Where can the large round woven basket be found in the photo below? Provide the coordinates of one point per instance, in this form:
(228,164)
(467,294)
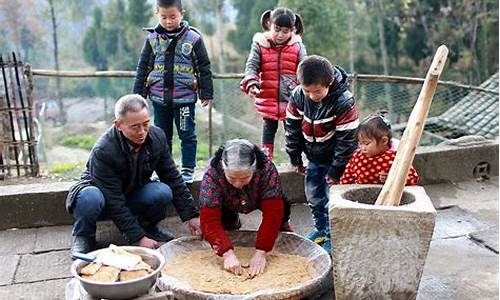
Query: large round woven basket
(288,243)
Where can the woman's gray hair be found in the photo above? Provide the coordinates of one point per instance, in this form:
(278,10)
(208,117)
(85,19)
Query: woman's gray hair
(129,103)
(239,154)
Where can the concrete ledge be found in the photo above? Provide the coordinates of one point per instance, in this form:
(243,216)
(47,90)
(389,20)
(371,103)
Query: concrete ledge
(455,163)
(34,205)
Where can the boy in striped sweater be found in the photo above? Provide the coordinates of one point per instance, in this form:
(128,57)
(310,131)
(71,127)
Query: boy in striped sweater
(322,119)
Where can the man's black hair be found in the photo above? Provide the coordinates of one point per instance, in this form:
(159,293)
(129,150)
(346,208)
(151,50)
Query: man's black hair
(315,69)
(169,3)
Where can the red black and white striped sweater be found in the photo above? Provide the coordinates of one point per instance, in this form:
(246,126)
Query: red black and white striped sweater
(325,131)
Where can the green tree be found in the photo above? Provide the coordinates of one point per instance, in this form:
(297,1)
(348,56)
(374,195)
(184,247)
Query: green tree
(325,27)
(95,51)
(119,51)
(97,43)
(415,44)
(138,16)
(248,22)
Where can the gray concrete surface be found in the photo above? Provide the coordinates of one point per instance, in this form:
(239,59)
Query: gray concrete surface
(462,262)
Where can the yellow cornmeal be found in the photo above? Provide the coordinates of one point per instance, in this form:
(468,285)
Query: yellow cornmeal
(204,271)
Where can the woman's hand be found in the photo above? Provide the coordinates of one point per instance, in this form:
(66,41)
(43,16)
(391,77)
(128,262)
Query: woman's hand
(257,264)
(194,227)
(231,263)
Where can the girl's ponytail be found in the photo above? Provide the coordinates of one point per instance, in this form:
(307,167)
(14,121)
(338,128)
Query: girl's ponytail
(265,20)
(299,24)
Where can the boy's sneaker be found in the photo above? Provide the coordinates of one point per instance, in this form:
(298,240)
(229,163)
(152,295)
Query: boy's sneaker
(187,175)
(327,245)
(317,236)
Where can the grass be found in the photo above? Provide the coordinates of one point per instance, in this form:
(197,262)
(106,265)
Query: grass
(201,152)
(67,170)
(80,141)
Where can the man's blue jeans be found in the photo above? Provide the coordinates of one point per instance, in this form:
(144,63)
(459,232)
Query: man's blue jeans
(316,190)
(149,203)
(184,119)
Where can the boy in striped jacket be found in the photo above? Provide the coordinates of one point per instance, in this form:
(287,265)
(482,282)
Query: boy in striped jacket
(321,121)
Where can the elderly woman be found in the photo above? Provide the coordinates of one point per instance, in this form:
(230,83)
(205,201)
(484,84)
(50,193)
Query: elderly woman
(240,179)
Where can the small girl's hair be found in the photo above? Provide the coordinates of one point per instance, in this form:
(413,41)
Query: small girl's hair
(283,17)
(375,126)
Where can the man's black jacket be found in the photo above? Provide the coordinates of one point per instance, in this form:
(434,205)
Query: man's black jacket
(110,169)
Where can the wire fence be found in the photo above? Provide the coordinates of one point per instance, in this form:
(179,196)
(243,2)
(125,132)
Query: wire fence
(233,113)
(17,139)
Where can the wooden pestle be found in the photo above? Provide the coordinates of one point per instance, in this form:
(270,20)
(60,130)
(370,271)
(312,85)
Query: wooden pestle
(393,187)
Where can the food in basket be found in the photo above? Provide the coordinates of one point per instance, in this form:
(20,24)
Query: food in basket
(101,272)
(104,274)
(204,271)
(90,269)
(131,275)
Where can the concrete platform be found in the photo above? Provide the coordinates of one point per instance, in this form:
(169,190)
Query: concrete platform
(462,261)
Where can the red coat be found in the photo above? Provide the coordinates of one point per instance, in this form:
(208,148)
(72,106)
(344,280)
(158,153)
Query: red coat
(273,69)
(362,169)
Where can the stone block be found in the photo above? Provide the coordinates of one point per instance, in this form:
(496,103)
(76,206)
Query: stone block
(45,266)
(9,264)
(379,251)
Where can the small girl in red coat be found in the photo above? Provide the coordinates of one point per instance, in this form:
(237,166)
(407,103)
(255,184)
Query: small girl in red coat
(372,161)
(270,71)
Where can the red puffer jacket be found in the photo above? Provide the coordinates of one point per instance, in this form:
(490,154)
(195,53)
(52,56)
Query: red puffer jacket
(273,70)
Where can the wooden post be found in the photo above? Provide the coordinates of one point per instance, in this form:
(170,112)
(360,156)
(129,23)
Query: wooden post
(210,129)
(28,83)
(354,88)
(393,188)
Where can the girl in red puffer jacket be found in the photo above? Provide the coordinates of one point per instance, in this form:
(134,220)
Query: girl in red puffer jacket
(270,71)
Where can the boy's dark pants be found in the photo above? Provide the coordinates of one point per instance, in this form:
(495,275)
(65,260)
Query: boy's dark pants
(184,118)
(317,189)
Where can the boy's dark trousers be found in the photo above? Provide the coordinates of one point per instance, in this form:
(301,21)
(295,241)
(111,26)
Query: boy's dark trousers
(184,118)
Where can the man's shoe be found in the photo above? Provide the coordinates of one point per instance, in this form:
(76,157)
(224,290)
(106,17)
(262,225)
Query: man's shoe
(158,234)
(83,244)
(187,175)
(317,236)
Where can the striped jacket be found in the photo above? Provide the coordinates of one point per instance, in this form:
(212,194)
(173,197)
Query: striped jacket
(324,131)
